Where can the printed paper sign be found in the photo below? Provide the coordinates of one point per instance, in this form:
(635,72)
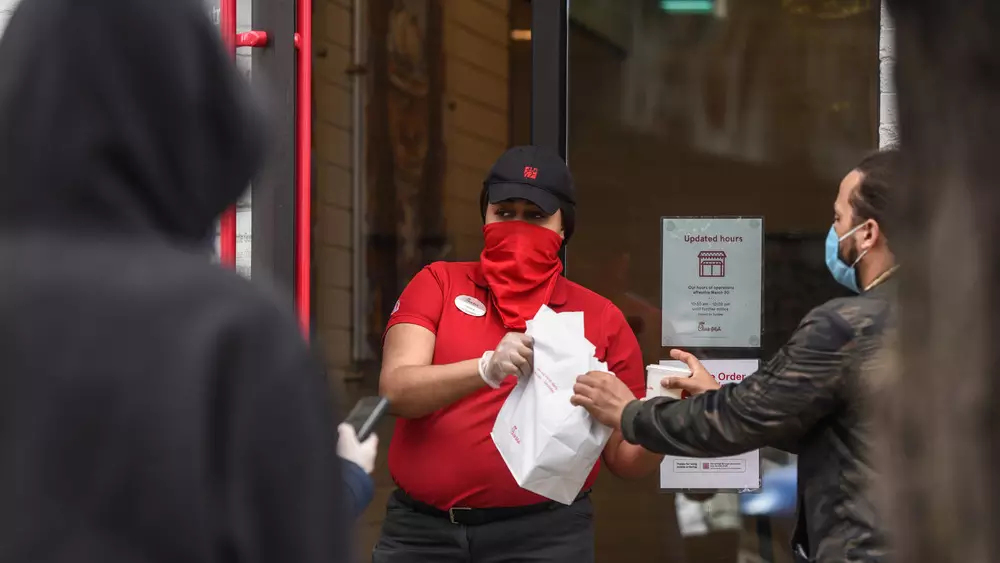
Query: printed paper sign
(739,473)
(711,282)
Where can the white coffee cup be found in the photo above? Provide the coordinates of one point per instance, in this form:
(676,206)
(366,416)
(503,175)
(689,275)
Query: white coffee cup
(655,374)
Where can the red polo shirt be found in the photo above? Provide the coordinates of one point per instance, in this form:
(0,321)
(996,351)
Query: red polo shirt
(448,459)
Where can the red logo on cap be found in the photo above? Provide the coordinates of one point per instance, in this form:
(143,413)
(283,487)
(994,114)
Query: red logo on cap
(530,172)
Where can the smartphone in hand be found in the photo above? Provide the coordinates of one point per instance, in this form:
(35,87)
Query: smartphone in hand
(366,414)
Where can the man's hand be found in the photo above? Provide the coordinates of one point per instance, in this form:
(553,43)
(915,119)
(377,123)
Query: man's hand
(361,454)
(700,380)
(604,396)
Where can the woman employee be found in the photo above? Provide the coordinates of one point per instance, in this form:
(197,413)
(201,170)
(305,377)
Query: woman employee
(453,350)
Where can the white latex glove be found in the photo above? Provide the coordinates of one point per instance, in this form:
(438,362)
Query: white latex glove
(513,356)
(361,454)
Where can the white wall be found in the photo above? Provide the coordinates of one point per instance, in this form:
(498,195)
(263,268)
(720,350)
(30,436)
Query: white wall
(888,132)
(243,209)
(6,8)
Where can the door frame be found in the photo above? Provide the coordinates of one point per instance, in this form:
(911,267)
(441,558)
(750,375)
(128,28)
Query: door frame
(273,218)
(273,213)
(550,79)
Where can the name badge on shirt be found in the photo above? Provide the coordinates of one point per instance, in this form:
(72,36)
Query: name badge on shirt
(470,306)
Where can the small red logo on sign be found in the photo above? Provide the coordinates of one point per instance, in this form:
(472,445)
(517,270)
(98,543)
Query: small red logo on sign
(530,172)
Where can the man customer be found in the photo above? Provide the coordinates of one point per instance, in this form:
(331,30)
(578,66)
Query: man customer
(809,399)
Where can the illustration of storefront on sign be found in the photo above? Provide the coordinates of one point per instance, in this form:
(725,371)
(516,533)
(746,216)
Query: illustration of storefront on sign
(711,264)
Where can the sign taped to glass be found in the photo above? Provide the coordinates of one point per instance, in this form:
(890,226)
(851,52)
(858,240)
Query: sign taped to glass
(712,281)
(733,473)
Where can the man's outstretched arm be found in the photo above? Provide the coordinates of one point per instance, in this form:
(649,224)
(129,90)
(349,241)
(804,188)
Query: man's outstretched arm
(778,404)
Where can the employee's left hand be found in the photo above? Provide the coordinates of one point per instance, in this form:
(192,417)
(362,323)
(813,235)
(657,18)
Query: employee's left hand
(604,396)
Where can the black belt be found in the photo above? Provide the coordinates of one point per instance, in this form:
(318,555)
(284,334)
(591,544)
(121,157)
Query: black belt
(477,516)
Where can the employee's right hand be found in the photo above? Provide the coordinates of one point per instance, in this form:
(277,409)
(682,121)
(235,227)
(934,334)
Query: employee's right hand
(513,356)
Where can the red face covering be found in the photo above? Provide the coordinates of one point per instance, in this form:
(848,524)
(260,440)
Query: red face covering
(521,264)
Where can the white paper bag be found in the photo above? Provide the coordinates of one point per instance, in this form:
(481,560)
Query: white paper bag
(549,445)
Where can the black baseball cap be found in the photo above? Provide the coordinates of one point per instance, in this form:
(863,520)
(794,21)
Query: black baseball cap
(532,173)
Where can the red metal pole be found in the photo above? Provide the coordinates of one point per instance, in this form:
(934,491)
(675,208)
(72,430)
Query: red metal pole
(303,191)
(227,223)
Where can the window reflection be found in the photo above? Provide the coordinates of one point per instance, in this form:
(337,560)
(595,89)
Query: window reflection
(448,90)
(759,109)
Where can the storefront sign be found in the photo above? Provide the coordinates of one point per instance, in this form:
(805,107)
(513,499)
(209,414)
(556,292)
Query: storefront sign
(736,473)
(711,280)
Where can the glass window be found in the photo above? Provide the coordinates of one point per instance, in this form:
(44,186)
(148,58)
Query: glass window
(450,90)
(753,108)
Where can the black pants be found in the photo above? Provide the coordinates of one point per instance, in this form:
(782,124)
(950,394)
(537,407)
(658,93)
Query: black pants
(560,535)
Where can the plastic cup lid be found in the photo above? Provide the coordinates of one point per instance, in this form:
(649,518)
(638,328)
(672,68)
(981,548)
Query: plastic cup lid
(671,370)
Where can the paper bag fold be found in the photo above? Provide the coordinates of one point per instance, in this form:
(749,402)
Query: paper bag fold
(549,445)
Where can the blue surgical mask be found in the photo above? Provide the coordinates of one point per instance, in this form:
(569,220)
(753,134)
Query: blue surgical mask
(846,275)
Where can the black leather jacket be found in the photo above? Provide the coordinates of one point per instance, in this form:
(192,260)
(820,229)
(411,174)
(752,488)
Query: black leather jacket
(810,399)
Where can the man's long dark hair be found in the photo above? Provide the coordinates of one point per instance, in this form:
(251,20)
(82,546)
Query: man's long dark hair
(876,194)
(940,420)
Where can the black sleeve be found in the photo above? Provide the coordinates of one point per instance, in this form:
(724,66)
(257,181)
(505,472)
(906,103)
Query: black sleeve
(359,486)
(774,407)
(287,501)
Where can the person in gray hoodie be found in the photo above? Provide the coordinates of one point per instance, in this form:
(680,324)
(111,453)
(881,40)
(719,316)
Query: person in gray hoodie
(153,406)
